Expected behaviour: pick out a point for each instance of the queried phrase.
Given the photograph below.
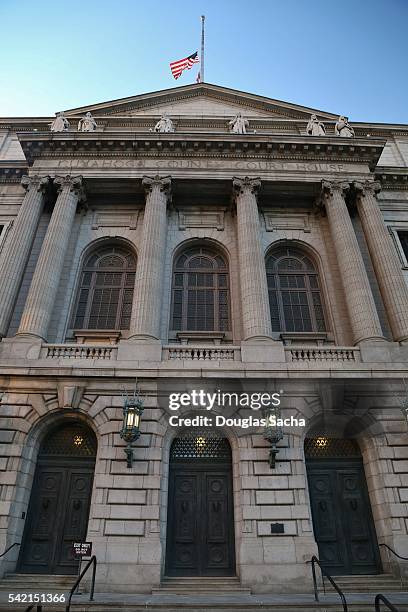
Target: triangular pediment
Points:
(200, 100)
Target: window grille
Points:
(294, 292)
(105, 294)
(200, 291)
(200, 444)
(331, 448)
(72, 440)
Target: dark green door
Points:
(342, 518)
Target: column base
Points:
(262, 349)
(22, 346)
(140, 348)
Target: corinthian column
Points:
(147, 305)
(44, 285)
(392, 284)
(364, 319)
(17, 249)
(256, 316)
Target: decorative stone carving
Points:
(238, 125)
(315, 127)
(87, 123)
(164, 125)
(343, 129)
(60, 123)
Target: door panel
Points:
(57, 516)
(200, 521)
(342, 519)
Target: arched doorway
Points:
(60, 498)
(341, 511)
(200, 523)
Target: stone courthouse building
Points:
(202, 238)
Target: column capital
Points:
(74, 184)
(245, 184)
(35, 182)
(163, 183)
(363, 188)
(328, 188)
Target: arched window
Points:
(106, 287)
(294, 291)
(200, 291)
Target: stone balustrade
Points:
(332, 353)
(202, 353)
(78, 351)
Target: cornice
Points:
(12, 172)
(392, 177)
(177, 145)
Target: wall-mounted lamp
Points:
(273, 433)
(130, 432)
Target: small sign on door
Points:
(82, 549)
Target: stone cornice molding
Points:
(246, 185)
(12, 172)
(163, 183)
(72, 183)
(249, 146)
(37, 182)
(392, 178)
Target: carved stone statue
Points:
(60, 123)
(315, 127)
(87, 123)
(164, 125)
(238, 125)
(343, 129)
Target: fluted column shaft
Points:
(147, 305)
(364, 319)
(391, 281)
(256, 317)
(44, 285)
(17, 249)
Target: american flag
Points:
(183, 64)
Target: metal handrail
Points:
(315, 560)
(39, 608)
(379, 598)
(9, 548)
(399, 566)
(92, 561)
(394, 553)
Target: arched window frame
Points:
(180, 283)
(87, 287)
(312, 290)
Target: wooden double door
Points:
(342, 518)
(57, 515)
(200, 527)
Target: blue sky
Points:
(342, 56)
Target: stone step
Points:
(201, 584)
(377, 583)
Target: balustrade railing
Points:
(78, 351)
(319, 353)
(202, 353)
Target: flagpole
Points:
(202, 49)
